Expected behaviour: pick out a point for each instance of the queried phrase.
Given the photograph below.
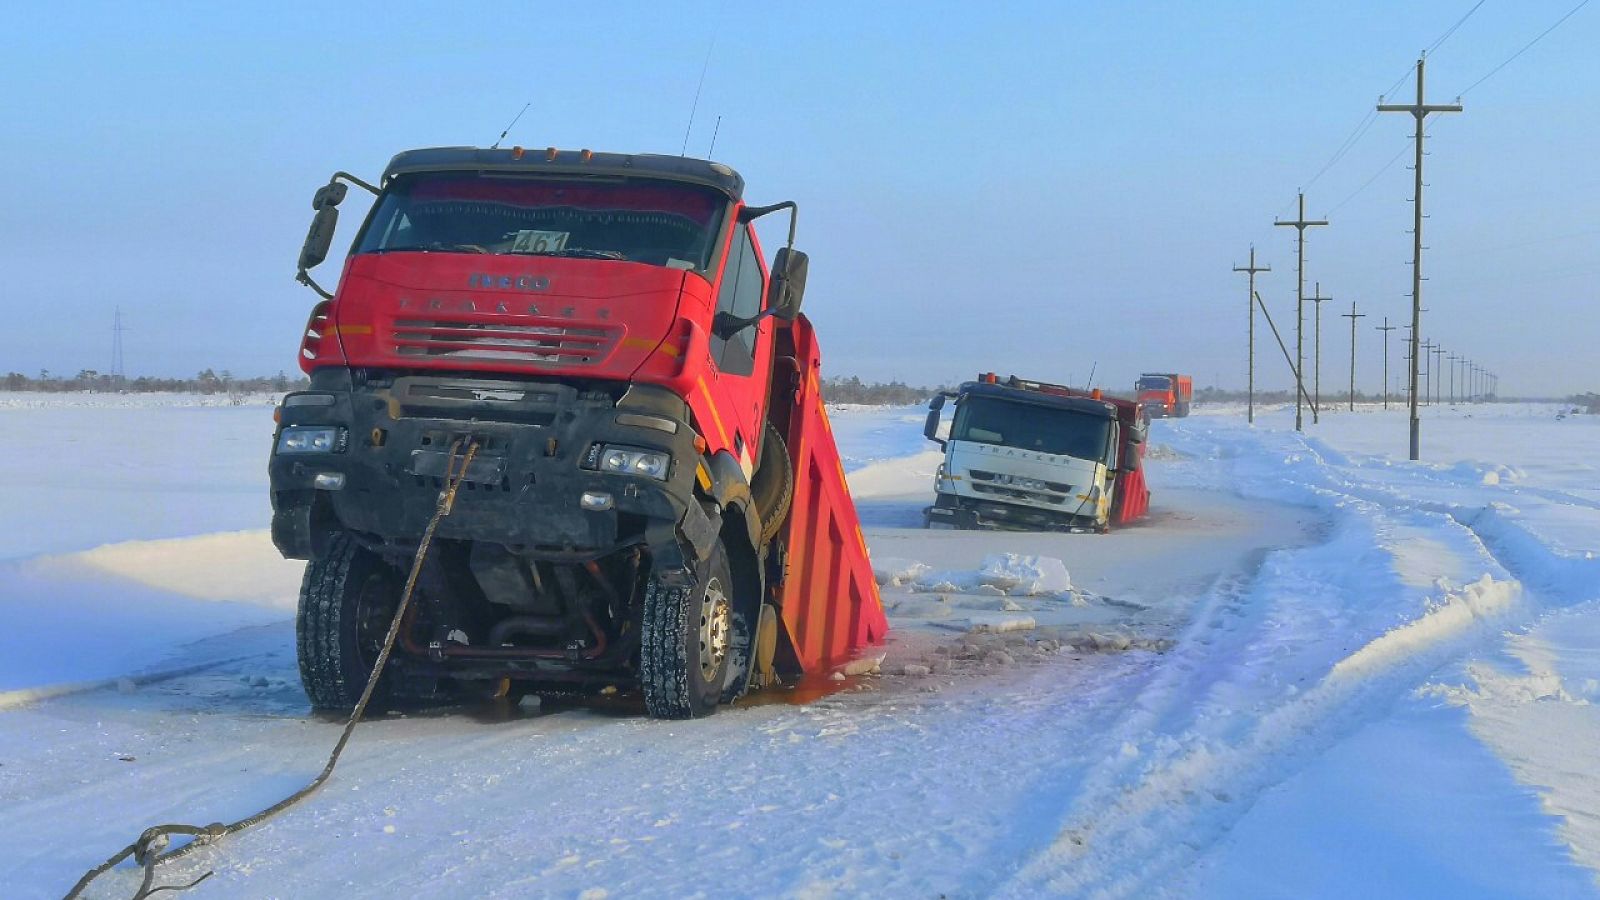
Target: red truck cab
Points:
(1164, 394)
(605, 330)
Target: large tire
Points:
(772, 487)
(685, 644)
(347, 600)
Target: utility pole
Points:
(1250, 414)
(1438, 381)
(1453, 360)
(1352, 316)
(1300, 225)
(1410, 349)
(118, 374)
(1385, 328)
(1316, 390)
(1427, 373)
(1420, 111)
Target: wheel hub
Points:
(716, 621)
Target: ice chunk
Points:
(891, 571)
(1024, 576)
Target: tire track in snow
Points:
(1137, 837)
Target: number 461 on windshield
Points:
(540, 241)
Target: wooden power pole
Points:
(1385, 328)
(1420, 111)
(1300, 224)
(1353, 316)
(1250, 382)
(1316, 353)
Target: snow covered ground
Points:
(1317, 671)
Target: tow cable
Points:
(149, 850)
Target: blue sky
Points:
(1030, 188)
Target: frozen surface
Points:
(1317, 670)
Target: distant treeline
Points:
(853, 390)
(834, 390)
(206, 382)
(1217, 395)
(1589, 402)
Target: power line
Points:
(1349, 142)
(1368, 183)
(1525, 48)
(1459, 22)
(1360, 131)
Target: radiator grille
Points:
(551, 344)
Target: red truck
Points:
(656, 500)
(1165, 394)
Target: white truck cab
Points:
(1019, 457)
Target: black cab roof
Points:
(568, 162)
(1004, 391)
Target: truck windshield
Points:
(1027, 426)
(1153, 383)
(655, 222)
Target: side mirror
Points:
(330, 194)
(787, 283)
(1130, 457)
(930, 428)
(320, 237)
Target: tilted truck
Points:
(1035, 456)
(655, 498)
(1165, 394)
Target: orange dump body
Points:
(830, 608)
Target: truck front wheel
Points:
(347, 600)
(686, 642)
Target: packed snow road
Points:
(1314, 672)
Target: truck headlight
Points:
(631, 461)
(308, 439)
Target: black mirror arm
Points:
(725, 324)
(305, 278)
(354, 180)
(751, 213)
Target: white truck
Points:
(1036, 456)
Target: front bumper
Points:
(523, 487)
(967, 513)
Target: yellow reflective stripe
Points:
(716, 418)
(639, 343)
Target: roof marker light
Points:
(516, 152)
(586, 155)
(550, 154)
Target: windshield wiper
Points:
(574, 253)
(435, 247)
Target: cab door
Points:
(742, 361)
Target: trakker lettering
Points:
(486, 281)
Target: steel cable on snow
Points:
(149, 849)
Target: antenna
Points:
(700, 84)
(714, 137)
(496, 144)
(1089, 385)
